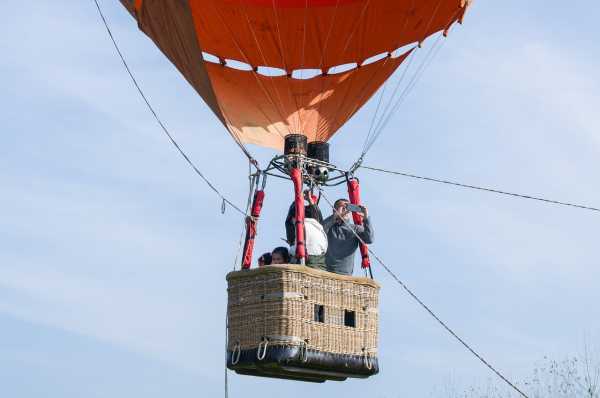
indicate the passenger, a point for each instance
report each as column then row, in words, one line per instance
column 315, row 238
column 290, row 221
column 265, row 259
column 341, row 236
column 280, row 255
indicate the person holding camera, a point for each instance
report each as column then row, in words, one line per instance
column 342, row 236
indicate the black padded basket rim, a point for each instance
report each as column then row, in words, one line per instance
column 319, row 365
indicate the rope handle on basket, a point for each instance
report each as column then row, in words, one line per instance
column 304, row 351
column 367, row 359
column 262, row 356
column 236, row 354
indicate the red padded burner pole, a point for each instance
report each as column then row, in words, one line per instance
column 354, row 195
column 296, row 175
column 251, row 222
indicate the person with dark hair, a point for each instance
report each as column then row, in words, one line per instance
column 290, row 221
column 315, row 238
column 280, row 255
column 265, row 259
column 312, row 211
column 342, row 237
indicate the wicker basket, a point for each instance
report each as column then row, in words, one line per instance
column 296, row 322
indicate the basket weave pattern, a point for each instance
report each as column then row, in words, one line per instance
column 279, row 303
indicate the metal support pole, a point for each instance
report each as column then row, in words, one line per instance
column 251, row 223
column 296, row 174
column 354, row 196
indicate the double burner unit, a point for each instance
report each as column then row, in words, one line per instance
column 311, row 158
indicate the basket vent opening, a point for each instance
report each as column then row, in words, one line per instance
column 349, row 318
column 319, row 313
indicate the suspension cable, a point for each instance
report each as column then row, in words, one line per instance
column 382, row 123
column 255, row 74
column 425, row 307
column 159, row 121
column 253, row 180
column 382, row 95
column 491, row 190
column 226, row 376
column 302, row 59
column 324, row 72
column 376, row 122
column 386, row 116
column 284, row 62
column 375, row 114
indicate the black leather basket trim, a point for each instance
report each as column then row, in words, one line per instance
column 287, row 362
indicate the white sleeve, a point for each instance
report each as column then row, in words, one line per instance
column 316, row 238
column 323, row 244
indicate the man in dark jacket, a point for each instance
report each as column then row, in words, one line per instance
column 341, row 235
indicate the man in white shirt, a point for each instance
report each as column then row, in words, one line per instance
column 314, row 236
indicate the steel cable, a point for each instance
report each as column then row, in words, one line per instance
column 253, row 185
column 159, row 121
column 429, row 310
column 385, row 119
column 491, row 190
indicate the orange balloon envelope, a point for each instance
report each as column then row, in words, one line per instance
column 248, row 58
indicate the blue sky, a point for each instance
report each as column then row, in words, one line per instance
column 113, row 253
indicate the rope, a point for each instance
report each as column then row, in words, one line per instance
column 364, row 89
column 371, row 136
column 496, row 191
column 426, row 308
column 226, row 386
column 324, row 73
column 397, row 45
column 285, row 65
column 254, row 180
column 374, row 119
column 254, row 71
column 382, row 123
column 301, row 127
column 253, row 183
column 386, row 117
column 255, row 74
column 157, row 118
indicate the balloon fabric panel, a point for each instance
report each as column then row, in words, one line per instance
column 288, row 35
column 320, row 34
column 261, row 109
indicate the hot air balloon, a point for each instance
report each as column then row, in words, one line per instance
column 287, row 74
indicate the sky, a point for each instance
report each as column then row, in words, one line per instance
column 113, row 253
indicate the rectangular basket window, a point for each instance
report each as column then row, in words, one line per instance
column 319, row 313
column 350, row 318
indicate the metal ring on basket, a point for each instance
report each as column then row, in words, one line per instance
column 236, row 354
column 262, row 356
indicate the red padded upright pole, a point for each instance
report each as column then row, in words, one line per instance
column 296, row 175
column 251, row 222
column 354, row 195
